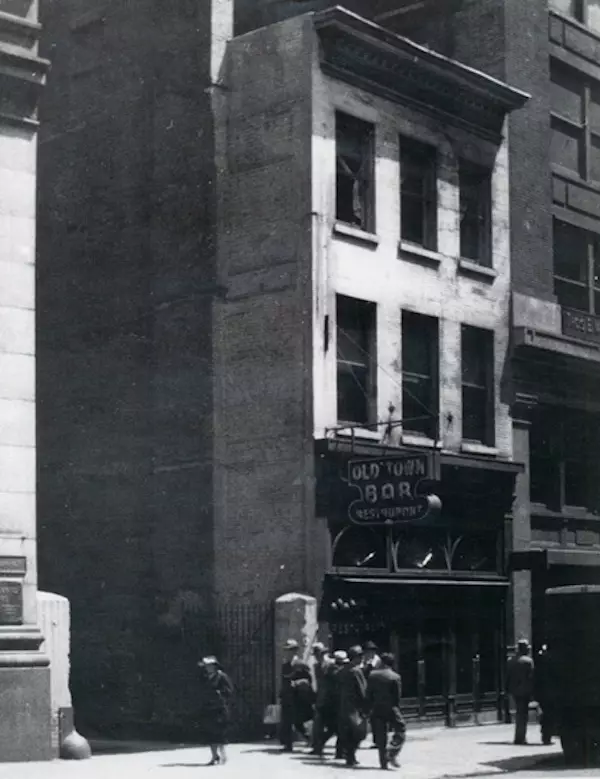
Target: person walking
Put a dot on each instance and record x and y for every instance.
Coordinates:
(352, 724)
(324, 714)
(371, 659)
(544, 694)
(520, 681)
(218, 690)
(295, 695)
(384, 691)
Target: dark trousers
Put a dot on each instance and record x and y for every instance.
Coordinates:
(324, 727)
(289, 722)
(521, 718)
(348, 741)
(548, 722)
(389, 733)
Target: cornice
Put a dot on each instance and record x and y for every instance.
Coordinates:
(363, 53)
(16, 25)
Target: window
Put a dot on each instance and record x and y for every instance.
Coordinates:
(475, 184)
(575, 122)
(356, 399)
(418, 193)
(585, 11)
(355, 192)
(576, 267)
(563, 458)
(420, 374)
(477, 385)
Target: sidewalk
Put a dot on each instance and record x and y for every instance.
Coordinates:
(429, 754)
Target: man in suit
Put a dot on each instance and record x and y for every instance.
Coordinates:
(520, 680)
(352, 706)
(324, 725)
(384, 691)
(296, 683)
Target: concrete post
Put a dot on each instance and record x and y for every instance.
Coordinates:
(521, 533)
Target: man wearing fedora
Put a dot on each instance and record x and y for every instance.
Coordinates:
(324, 721)
(520, 683)
(352, 705)
(295, 695)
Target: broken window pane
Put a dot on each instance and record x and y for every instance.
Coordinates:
(355, 172)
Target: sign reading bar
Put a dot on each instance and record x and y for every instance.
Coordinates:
(389, 488)
(585, 327)
(11, 603)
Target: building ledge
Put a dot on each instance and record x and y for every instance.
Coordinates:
(475, 447)
(367, 55)
(412, 252)
(411, 439)
(18, 25)
(356, 234)
(527, 337)
(475, 269)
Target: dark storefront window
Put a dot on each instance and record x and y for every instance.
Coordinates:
(355, 190)
(355, 360)
(575, 121)
(564, 469)
(359, 547)
(418, 193)
(477, 385)
(576, 267)
(438, 549)
(475, 184)
(420, 362)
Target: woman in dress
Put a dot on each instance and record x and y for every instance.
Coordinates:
(218, 690)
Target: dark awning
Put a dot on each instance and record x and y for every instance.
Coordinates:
(418, 581)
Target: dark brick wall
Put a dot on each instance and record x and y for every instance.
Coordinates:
(263, 352)
(126, 271)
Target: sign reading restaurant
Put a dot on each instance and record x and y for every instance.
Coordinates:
(389, 488)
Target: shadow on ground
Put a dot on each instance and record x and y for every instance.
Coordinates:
(106, 747)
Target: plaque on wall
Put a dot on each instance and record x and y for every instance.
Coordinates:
(13, 566)
(11, 603)
(577, 324)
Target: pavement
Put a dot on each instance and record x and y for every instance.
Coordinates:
(461, 753)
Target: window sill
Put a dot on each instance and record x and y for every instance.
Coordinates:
(356, 234)
(413, 252)
(409, 439)
(359, 432)
(471, 268)
(474, 447)
(568, 512)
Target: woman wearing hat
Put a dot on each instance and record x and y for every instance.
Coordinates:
(218, 690)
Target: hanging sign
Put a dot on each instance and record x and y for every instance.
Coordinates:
(389, 489)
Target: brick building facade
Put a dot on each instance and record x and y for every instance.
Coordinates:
(24, 673)
(247, 253)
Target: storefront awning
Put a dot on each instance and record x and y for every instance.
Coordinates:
(422, 582)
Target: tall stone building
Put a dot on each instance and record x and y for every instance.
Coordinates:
(24, 672)
(274, 263)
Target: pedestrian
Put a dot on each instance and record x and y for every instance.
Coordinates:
(218, 690)
(544, 694)
(340, 658)
(296, 695)
(371, 659)
(324, 717)
(520, 680)
(384, 692)
(352, 722)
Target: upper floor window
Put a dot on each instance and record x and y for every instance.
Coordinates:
(355, 190)
(575, 122)
(576, 267)
(585, 11)
(418, 193)
(477, 352)
(420, 363)
(563, 458)
(475, 183)
(356, 363)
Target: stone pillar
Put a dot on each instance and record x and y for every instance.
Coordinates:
(520, 624)
(24, 673)
(295, 617)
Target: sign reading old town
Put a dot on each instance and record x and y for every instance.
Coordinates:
(389, 488)
(576, 324)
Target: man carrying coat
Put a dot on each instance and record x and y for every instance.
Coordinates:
(352, 706)
(295, 695)
(384, 691)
